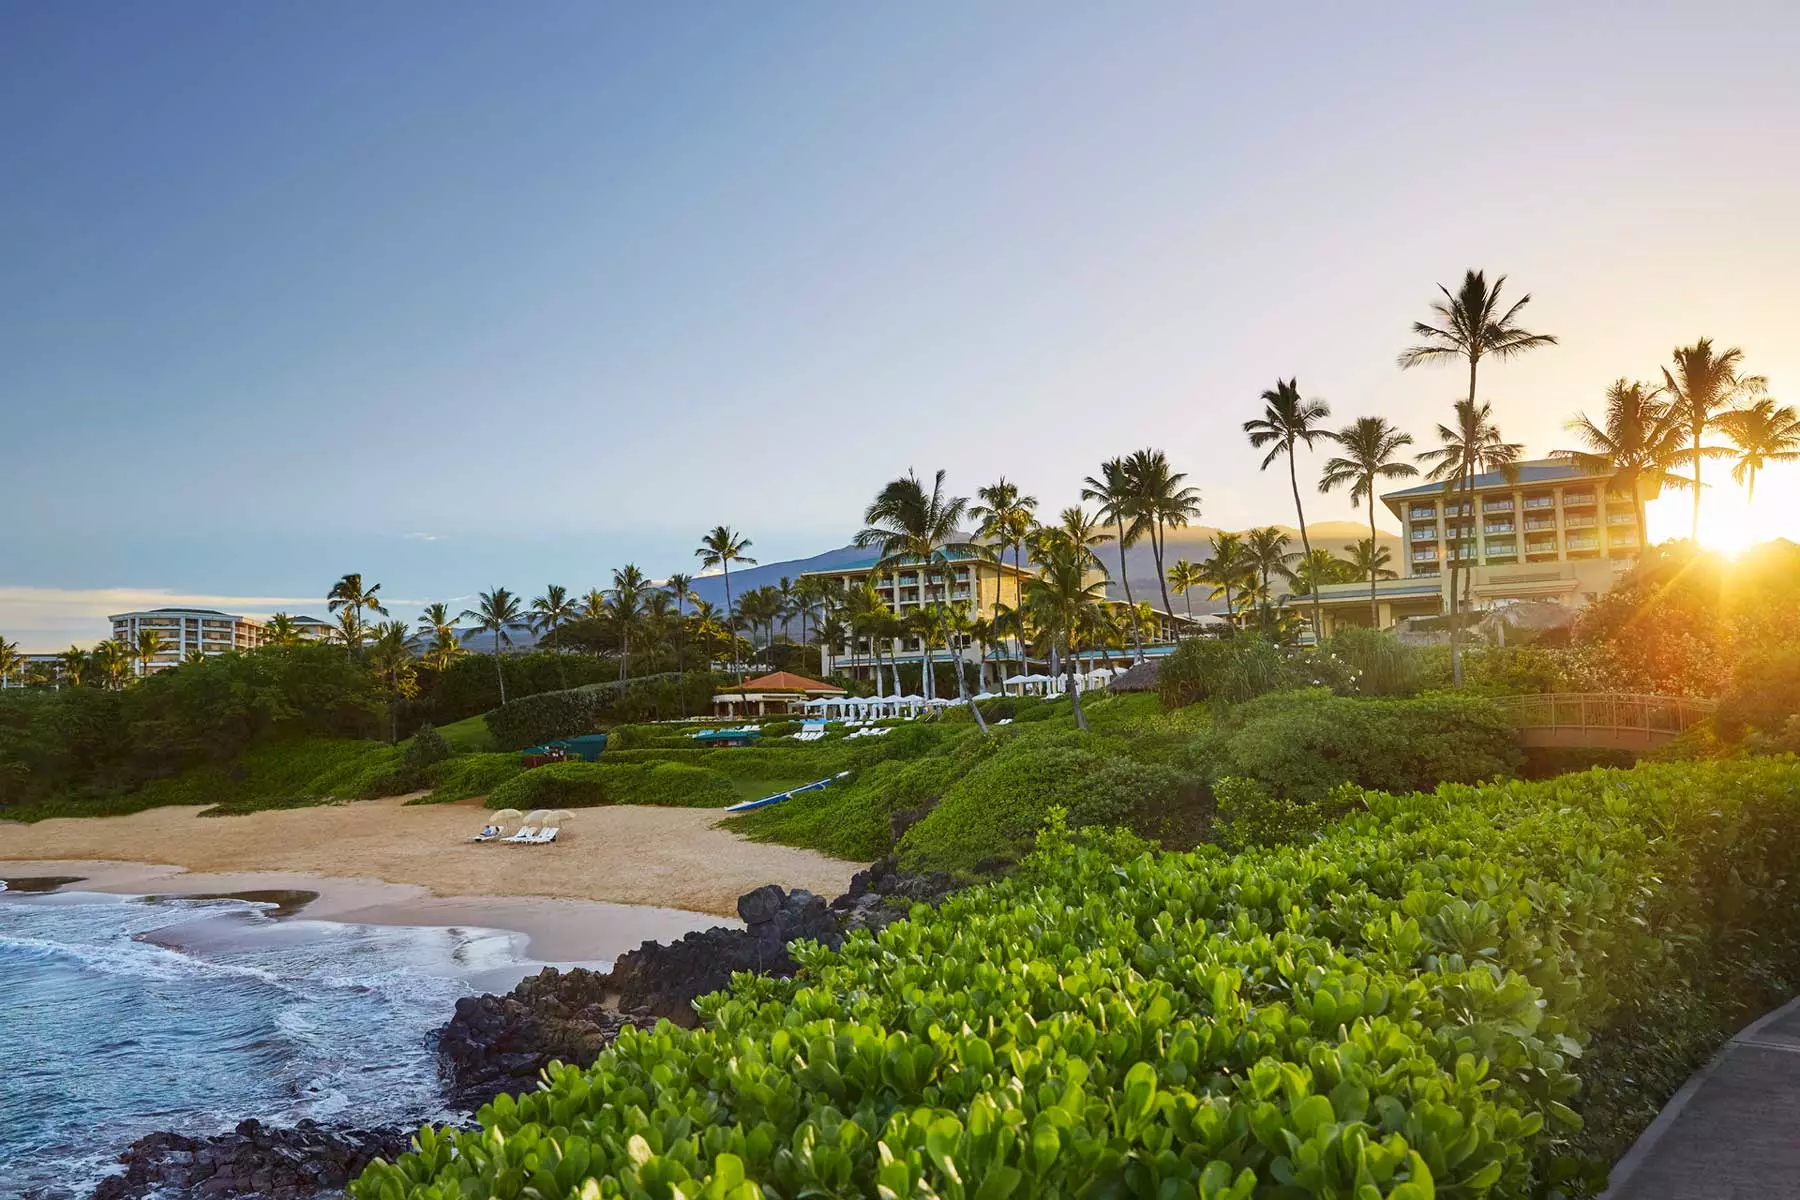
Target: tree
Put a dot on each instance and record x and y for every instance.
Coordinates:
(1005, 517)
(144, 650)
(1370, 559)
(1225, 570)
(391, 659)
(1637, 446)
(1371, 448)
(1703, 386)
(551, 611)
(681, 588)
(625, 607)
(72, 664)
(1470, 447)
(1288, 420)
(908, 526)
(113, 661)
(498, 612)
(11, 661)
(350, 599)
(1763, 433)
(761, 608)
(1266, 557)
(446, 645)
(1162, 502)
(1184, 576)
(281, 630)
(1059, 599)
(720, 548)
(1471, 326)
(1321, 567)
(1112, 491)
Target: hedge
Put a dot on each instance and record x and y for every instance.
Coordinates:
(1398, 1009)
(533, 720)
(586, 785)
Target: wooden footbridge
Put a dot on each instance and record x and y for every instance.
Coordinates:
(1604, 720)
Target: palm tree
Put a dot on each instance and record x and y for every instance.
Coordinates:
(625, 607)
(1471, 326)
(1162, 502)
(1371, 449)
(1703, 386)
(1470, 447)
(498, 612)
(1322, 567)
(280, 630)
(72, 665)
(1184, 576)
(350, 599)
(681, 588)
(144, 650)
(391, 658)
(1005, 517)
(1059, 599)
(1286, 421)
(11, 661)
(1112, 491)
(654, 624)
(1266, 556)
(113, 661)
(911, 527)
(446, 645)
(1224, 570)
(720, 548)
(707, 626)
(1763, 433)
(1637, 446)
(551, 611)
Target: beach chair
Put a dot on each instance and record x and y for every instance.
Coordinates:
(526, 836)
(488, 833)
(546, 835)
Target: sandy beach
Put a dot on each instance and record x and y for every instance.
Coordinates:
(614, 877)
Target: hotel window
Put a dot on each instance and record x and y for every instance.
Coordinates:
(1423, 512)
(1578, 499)
(1534, 502)
(1498, 527)
(1424, 535)
(1497, 506)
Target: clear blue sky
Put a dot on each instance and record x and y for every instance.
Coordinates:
(460, 294)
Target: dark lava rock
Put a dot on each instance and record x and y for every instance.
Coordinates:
(300, 1163)
(882, 894)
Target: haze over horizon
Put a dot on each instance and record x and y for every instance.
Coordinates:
(456, 298)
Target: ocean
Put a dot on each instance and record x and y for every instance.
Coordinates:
(124, 1015)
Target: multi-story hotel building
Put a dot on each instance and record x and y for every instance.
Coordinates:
(184, 630)
(1549, 533)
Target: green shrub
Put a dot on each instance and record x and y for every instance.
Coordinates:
(1397, 1009)
(1764, 694)
(586, 785)
(1376, 662)
(1229, 670)
(426, 747)
(1248, 814)
(1302, 745)
(466, 776)
(534, 720)
(853, 818)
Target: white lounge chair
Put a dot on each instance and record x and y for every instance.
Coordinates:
(545, 836)
(525, 837)
(488, 833)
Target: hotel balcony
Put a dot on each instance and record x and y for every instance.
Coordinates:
(1429, 554)
(1621, 518)
(1582, 522)
(1428, 534)
(1423, 512)
(1539, 502)
(1497, 527)
(1496, 506)
(1578, 499)
(1540, 550)
(1584, 544)
(1539, 524)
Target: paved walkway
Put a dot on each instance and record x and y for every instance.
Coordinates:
(1733, 1131)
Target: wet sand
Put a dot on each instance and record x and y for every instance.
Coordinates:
(615, 876)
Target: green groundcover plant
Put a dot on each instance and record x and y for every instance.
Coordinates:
(1397, 1008)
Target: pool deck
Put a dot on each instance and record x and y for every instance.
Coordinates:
(1733, 1131)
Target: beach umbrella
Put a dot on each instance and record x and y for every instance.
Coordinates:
(506, 816)
(535, 817)
(561, 816)
(911, 699)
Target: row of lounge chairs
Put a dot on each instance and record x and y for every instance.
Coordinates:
(538, 828)
(881, 732)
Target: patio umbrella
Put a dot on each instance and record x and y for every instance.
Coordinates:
(561, 816)
(506, 816)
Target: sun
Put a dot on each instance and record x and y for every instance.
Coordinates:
(1728, 523)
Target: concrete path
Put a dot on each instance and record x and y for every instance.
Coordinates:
(1733, 1131)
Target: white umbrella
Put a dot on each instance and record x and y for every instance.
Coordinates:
(506, 816)
(561, 816)
(911, 699)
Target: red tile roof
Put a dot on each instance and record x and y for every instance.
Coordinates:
(787, 681)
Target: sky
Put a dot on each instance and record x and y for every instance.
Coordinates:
(460, 295)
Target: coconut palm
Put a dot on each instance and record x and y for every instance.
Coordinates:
(498, 612)
(1184, 576)
(11, 661)
(625, 607)
(350, 599)
(1266, 558)
(1371, 448)
(759, 608)
(911, 527)
(1287, 421)
(1112, 491)
(1704, 385)
(1322, 567)
(446, 645)
(1163, 503)
(281, 630)
(113, 661)
(1471, 326)
(708, 628)
(1470, 447)
(1005, 517)
(681, 588)
(145, 648)
(1059, 599)
(72, 665)
(1075, 528)
(1368, 557)
(1225, 570)
(391, 658)
(1637, 445)
(720, 548)
(551, 611)
(1763, 433)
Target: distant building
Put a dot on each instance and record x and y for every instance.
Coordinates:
(185, 630)
(774, 694)
(1553, 533)
(315, 629)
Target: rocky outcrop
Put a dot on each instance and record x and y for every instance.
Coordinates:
(300, 1163)
(881, 894)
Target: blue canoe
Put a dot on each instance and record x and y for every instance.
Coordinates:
(778, 797)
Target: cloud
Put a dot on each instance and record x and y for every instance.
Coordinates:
(45, 619)
(424, 537)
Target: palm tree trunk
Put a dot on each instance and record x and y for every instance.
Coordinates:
(1137, 636)
(1162, 580)
(1695, 534)
(498, 669)
(1075, 695)
(1305, 543)
(1374, 605)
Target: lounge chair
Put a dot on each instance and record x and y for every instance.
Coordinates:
(545, 836)
(525, 837)
(488, 833)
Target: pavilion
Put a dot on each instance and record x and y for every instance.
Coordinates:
(776, 694)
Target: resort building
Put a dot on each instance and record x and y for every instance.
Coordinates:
(314, 629)
(184, 630)
(773, 695)
(1551, 533)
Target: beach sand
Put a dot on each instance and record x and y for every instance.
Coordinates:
(380, 862)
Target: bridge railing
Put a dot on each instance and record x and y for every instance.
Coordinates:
(1668, 715)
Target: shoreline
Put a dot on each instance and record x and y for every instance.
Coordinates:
(383, 862)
